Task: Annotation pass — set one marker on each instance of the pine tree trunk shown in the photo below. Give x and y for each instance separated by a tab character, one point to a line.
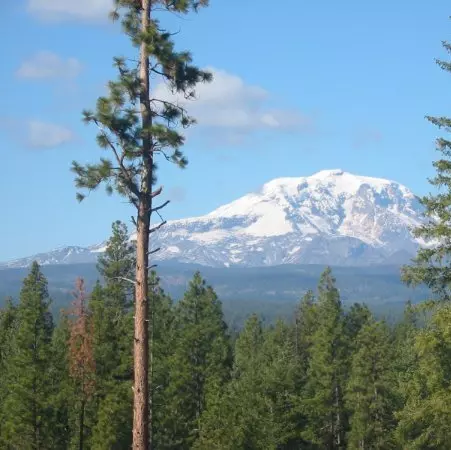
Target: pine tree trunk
141	342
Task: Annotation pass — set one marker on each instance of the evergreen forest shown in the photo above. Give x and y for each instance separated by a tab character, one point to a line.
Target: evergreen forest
126	366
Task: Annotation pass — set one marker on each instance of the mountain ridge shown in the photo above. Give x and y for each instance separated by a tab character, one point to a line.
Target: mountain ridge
330	217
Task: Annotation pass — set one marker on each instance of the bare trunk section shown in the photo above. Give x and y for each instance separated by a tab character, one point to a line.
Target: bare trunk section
141	341
141	338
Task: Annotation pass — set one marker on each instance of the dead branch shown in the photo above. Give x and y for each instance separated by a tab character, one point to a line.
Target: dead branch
157	227
158	208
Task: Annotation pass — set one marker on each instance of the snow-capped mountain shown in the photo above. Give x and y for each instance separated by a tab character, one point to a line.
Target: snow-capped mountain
332	217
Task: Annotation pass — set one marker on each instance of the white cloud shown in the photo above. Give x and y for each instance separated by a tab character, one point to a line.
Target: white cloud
48	65
228	104
85	10
47	135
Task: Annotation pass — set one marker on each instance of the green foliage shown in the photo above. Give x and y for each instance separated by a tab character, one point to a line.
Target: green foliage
305	326
8	329
326	372
112	324
327	379
424	421
63	396
162	348
133	124
27	410
432	265
198	365
370	394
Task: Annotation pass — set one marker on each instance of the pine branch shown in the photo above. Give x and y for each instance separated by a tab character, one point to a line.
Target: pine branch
120	160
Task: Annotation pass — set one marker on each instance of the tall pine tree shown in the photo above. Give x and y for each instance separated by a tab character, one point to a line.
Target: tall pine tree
199	365
370	393
8	327
136	126
326	373
81	359
432	264
111	308
27	410
425	420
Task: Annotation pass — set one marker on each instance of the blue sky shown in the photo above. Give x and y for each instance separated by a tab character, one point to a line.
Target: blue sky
299	87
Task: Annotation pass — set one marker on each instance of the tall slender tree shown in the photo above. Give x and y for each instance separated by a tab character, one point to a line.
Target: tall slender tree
432	264
81	357
199	364
8	326
136	126
27	418
326	372
112	320
370	390
425	420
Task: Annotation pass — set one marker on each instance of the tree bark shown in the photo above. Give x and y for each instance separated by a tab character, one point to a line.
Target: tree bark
141	332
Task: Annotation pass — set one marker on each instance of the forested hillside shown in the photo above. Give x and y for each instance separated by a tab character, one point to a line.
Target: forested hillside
325	378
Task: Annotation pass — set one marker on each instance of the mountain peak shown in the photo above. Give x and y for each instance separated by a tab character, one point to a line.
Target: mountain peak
331	217
328	173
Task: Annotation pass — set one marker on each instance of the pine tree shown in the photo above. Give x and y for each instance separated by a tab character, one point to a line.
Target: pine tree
81	358
199	364
162	346
113	341
432	264
136	127
355	319
63	396
237	417
304	329
259	408
370	390
325	384
8	327
424	422
117	265
27	412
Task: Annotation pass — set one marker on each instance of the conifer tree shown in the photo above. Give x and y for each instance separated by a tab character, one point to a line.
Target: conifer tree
425	420
117	266
259	408
370	393
27	412
8	326
356	318
326	372
81	358
113	341
432	264
237	417
162	346
136	127
305	326
63	396
199	364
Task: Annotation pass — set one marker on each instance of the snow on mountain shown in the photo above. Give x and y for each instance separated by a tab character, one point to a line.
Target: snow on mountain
332	217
